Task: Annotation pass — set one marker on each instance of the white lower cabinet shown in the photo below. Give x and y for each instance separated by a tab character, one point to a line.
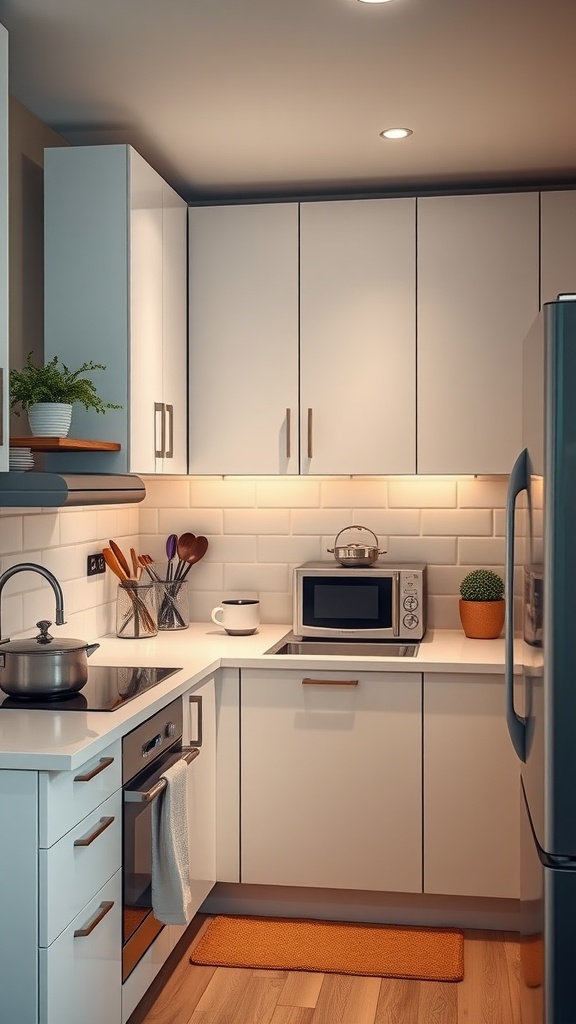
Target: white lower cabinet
331	779
80	971
471	789
61	887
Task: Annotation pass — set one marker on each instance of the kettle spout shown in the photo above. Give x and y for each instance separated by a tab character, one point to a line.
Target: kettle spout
91	648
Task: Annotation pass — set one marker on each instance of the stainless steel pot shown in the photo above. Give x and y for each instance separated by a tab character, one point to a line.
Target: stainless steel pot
44	666
355	554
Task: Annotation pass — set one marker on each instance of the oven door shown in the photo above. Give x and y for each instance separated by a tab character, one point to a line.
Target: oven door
362	605
139	926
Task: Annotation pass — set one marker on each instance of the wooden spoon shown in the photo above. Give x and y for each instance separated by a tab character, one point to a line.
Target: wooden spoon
113	564
199	549
121	559
184	548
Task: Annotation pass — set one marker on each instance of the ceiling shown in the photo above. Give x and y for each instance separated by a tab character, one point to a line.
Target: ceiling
239	98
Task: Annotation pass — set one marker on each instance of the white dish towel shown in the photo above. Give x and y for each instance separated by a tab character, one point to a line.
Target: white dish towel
171	897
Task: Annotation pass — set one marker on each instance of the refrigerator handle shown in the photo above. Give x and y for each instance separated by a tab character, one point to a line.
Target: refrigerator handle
516	723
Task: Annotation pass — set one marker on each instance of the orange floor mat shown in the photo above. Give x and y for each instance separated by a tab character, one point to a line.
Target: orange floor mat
388	951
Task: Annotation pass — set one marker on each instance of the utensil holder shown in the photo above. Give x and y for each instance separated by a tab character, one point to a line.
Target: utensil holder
173	604
136	610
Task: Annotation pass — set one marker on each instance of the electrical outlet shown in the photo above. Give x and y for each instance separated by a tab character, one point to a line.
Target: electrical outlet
95	565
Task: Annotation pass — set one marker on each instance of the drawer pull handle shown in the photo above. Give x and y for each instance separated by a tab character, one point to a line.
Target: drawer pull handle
103	763
329	682
288	433
101	827
103	909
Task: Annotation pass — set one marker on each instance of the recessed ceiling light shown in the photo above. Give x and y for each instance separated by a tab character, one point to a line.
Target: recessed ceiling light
394	133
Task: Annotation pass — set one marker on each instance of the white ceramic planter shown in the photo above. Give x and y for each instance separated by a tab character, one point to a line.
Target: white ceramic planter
50	419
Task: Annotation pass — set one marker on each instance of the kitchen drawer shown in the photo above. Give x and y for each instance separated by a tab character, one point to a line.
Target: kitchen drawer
80	975
65	798
78	865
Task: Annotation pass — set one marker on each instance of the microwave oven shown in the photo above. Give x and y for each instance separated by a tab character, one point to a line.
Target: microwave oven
377	602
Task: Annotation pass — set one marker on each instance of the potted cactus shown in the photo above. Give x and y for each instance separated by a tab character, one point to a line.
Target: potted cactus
482	604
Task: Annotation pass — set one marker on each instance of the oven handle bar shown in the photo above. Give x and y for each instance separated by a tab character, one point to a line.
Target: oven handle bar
137	796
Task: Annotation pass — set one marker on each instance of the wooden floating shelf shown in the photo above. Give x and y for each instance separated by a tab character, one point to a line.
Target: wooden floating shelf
63	444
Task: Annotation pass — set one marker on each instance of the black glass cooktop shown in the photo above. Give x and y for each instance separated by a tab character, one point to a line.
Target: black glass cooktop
109	687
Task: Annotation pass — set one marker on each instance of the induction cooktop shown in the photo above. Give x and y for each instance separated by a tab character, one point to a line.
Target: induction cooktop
108	688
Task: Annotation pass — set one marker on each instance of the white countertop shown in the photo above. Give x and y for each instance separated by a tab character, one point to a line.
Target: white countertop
63	740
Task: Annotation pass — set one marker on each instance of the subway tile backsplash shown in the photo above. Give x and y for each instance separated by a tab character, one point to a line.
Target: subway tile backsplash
258	529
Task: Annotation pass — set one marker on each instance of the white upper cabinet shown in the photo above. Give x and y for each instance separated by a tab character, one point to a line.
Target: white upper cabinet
4	393
115	292
302	338
478	274
357	336
558	243
243	339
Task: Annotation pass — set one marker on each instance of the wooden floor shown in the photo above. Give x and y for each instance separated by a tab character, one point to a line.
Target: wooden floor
223	995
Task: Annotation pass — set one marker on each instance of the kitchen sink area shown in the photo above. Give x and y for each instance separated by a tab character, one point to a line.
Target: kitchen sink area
291	644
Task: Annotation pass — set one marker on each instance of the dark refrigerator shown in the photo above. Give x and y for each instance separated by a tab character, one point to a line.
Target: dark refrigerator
541	550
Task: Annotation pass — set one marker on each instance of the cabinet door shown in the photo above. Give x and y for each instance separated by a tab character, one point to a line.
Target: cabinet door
243	330
174	330
477	298
471	789
558	243
86	289
200	731
80	971
115	288
147	420
4	354
357	336
331	779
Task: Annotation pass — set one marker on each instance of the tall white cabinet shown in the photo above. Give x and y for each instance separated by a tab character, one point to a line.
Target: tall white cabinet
302	338
4	352
115	292
243	330
357	336
478	276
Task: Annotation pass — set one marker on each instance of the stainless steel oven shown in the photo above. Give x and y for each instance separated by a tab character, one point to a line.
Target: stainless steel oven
147	752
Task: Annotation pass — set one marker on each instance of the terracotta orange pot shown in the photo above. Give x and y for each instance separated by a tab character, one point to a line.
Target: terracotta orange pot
482	620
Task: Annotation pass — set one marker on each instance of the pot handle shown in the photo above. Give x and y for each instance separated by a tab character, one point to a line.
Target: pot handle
356	528
91	648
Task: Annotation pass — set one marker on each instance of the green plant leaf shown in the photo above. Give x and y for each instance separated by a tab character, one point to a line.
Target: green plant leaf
55	382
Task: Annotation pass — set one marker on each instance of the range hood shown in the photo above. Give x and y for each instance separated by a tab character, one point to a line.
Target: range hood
54	490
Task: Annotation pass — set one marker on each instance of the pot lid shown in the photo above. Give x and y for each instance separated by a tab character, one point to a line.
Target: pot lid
44	643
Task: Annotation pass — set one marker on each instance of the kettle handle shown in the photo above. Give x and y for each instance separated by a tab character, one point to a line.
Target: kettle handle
91	648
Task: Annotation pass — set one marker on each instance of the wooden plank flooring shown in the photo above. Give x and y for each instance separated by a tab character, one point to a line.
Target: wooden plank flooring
223	995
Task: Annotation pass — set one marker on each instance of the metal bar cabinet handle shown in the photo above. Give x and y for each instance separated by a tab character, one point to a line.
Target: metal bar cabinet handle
137	796
103	909
101	827
329	682
103	763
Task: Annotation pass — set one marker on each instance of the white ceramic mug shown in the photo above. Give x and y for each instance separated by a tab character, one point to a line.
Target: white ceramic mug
239	617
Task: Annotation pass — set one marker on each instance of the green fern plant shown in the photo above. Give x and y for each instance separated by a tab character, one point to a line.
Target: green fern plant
54	382
482	585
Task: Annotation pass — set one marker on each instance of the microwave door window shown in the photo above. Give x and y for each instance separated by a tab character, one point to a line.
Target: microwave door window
353	604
